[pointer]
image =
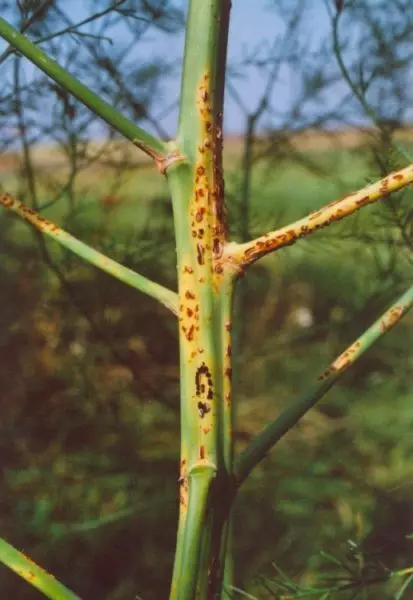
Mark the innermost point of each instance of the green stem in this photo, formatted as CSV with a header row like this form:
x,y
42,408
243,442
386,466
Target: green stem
x,y
32,573
266,440
144,140
166,297
200,483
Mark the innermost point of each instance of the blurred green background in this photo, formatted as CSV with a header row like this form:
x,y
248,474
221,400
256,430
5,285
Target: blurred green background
x,y
89,400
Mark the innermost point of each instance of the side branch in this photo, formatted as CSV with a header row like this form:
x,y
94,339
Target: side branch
x,y
245,254
266,440
33,574
151,145
167,297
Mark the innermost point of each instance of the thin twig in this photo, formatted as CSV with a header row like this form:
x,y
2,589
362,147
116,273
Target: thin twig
x,y
33,17
167,297
243,255
151,145
73,28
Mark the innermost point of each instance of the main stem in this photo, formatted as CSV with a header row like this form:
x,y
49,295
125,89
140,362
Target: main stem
x,y
205,302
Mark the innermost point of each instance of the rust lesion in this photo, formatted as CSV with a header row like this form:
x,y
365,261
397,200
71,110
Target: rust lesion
x,y
30,215
392,317
207,210
245,254
183,482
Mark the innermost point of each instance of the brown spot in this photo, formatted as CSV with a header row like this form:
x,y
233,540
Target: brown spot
x,y
200,254
398,177
363,201
384,186
217,247
188,269
219,268
203,409
202,452
189,295
249,251
326,374
228,372
200,170
199,215
6,200
228,325
392,317
190,333
189,312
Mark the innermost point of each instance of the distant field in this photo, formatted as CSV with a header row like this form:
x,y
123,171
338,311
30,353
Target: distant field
x,y
51,157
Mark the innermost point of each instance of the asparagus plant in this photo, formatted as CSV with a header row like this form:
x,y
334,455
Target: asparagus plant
x,y
209,264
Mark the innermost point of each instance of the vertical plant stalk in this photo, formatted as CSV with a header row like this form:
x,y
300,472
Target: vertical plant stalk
x,y
205,299
35,575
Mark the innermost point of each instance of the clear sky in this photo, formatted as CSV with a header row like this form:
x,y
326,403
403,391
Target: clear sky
x,y
253,25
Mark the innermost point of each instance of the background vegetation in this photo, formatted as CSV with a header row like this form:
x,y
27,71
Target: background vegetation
x,y
89,368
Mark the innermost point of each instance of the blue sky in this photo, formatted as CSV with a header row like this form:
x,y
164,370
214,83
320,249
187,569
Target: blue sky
x,y
252,24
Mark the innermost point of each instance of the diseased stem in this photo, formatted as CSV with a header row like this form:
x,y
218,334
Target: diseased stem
x,y
152,146
35,575
167,297
200,483
243,255
205,294
268,438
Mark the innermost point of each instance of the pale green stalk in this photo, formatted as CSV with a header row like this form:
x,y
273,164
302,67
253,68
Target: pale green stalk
x,y
205,291
35,575
168,298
